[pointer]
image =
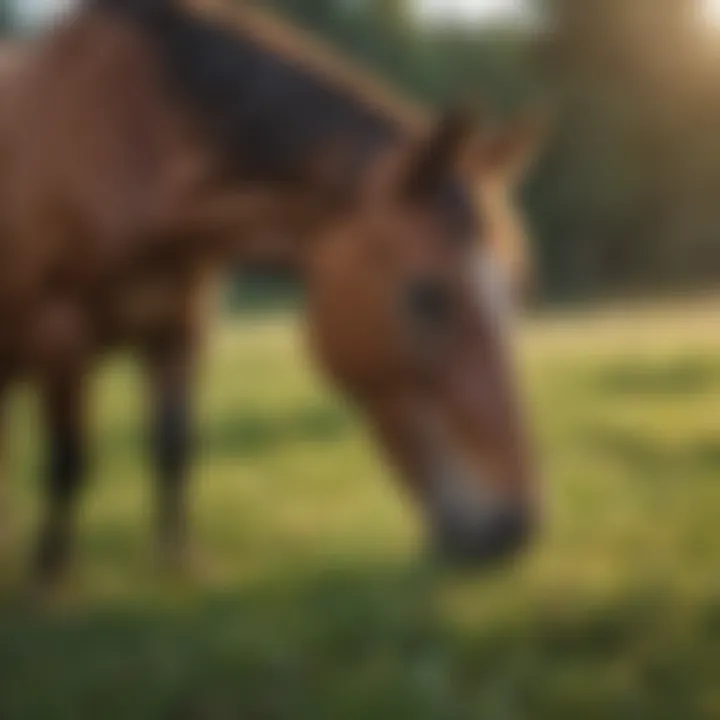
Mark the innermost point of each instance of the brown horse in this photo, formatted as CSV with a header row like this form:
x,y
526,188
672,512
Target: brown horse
x,y
146,145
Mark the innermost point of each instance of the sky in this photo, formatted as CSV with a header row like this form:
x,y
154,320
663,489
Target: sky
x,y
476,10
442,10
32,12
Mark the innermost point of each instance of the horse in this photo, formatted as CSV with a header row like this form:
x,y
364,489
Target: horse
x,y
149,147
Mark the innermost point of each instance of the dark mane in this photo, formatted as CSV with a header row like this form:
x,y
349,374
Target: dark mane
x,y
262,91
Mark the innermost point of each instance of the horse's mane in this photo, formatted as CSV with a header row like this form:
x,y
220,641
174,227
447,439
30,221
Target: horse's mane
x,y
271,100
312,53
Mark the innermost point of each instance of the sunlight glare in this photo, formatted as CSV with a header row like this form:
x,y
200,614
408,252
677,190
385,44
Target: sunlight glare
x,y
712,12
473,10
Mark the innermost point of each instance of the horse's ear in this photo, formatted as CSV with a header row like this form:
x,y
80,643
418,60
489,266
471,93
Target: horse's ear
x,y
438,156
511,151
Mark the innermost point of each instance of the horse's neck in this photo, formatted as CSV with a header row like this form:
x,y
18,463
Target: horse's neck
x,y
268,114
266,127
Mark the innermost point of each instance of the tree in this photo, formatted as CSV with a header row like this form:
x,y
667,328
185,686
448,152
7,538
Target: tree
x,y
5,17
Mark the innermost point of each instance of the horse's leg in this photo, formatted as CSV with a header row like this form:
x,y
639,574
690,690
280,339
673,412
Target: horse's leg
x,y
63,400
6,522
171,371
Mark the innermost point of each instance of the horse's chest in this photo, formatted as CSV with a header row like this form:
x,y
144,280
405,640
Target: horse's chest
x,y
142,306
135,312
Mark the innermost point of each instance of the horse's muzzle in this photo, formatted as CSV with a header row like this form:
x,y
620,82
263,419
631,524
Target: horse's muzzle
x,y
489,540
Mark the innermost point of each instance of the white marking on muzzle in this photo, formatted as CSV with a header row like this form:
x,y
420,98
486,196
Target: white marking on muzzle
x,y
457,489
464,498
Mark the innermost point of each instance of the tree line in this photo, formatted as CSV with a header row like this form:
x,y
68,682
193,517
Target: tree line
x,y
627,196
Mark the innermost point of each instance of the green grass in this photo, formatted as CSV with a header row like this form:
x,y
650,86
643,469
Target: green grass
x,y
318,602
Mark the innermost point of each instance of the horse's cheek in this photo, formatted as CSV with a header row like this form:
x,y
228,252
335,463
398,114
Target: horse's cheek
x,y
351,334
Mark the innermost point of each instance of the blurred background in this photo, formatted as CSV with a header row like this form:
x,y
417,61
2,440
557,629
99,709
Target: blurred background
x,y
314,600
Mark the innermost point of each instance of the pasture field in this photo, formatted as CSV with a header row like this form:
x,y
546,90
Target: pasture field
x,y
315,600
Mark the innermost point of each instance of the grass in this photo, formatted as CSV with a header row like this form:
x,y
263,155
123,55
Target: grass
x,y
317,601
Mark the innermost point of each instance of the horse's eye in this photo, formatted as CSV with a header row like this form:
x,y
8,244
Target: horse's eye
x,y
429,303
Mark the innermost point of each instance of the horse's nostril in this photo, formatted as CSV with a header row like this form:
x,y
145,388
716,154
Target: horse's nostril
x,y
429,302
489,541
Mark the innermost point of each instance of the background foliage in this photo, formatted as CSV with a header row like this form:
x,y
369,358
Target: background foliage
x,y
626,198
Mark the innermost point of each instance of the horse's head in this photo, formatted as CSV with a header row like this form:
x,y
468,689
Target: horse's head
x,y
408,313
